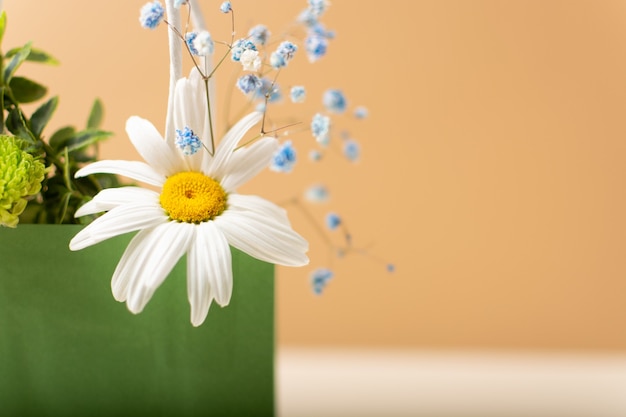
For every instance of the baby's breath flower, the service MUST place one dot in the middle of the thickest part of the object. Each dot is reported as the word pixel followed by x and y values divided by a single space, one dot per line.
pixel 270 88
pixel 318 7
pixel 307 18
pixel 284 159
pixel 317 193
pixel 226 7
pixel 320 127
pixel 20 177
pixel 298 94
pixel 351 150
pixel 151 15
pixel 315 155
pixel 319 279
pixel 250 60
pixel 361 112
pixel 287 49
pixel 187 141
pixel 203 43
pixel 189 39
pixel 259 34
pixel 283 54
pixel 248 83
pixel 320 30
pixel 332 221
pixel 315 46
pixel 277 60
pixel 239 47
pixel 334 101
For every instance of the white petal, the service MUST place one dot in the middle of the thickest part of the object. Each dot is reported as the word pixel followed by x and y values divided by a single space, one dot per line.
pixel 151 146
pixel 258 205
pixel 265 238
pixel 122 219
pixel 136 170
pixel 209 271
pixel 248 162
pixel 149 262
pixel 110 198
pixel 217 166
pixel 191 111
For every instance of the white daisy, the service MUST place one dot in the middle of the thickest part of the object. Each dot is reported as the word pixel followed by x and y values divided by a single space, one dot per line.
pixel 196 210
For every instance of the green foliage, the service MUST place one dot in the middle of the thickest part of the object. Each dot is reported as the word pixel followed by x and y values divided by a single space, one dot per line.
pixel 64 152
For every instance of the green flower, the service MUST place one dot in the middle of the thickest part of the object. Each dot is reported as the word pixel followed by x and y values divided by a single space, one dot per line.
pixel 20 177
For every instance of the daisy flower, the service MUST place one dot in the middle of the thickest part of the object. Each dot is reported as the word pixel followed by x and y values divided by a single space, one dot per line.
pixel 195 210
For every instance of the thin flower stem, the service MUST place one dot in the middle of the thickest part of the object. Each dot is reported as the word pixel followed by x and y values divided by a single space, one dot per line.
pixel 267 98
pixel 262 134
pixel 219 63
pixel 197 19
pixel 208 105
pixel 232 26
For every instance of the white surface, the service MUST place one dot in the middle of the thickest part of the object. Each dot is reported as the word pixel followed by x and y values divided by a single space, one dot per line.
pixel 318 383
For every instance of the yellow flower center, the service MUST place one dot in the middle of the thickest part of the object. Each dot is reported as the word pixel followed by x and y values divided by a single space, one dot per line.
pixel 192 197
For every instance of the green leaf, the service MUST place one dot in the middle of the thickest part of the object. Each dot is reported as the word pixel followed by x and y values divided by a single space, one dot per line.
pixel 17 125
pixel 87 138
pixel 42 115
pixel 16 61
pixel 25 90
pixel 3 24
pixel 35 55
pixel 96 114
pixel 60 138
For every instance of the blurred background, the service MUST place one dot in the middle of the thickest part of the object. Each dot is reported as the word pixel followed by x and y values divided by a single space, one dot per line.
pixel 492 172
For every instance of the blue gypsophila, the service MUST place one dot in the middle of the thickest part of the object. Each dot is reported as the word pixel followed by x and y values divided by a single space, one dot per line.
pixel 203 43
pixel 151 15
pixel 297 94
pixel 239 47
pixel 351 150
pixel 259 34
pixel 334 101
pixel 187 141
pixel 317 193
pixel 284 159
pixel 226 7
pixel 320 127
pixel 332 221
pixel 189 39
pixel 315 46
pixel 248 83
pixel 319 279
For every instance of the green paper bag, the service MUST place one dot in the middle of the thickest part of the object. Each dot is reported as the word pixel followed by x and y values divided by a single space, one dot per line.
pixel 67 348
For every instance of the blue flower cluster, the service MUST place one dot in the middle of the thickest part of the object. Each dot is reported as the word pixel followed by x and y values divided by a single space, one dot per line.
pixel 226 7
pixel 239 47
pixel 259 34
pixel 187 141
pixel 283 54
pixel 333 221
pixel 284 159
pixel 334 101
pixel 249 83
pixel 319 279
pixel 151 15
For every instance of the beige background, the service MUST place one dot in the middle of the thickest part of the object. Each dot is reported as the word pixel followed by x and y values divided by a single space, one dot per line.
pixel 492 172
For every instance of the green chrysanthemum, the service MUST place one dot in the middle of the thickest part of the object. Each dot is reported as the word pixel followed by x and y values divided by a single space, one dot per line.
pixel 20 177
